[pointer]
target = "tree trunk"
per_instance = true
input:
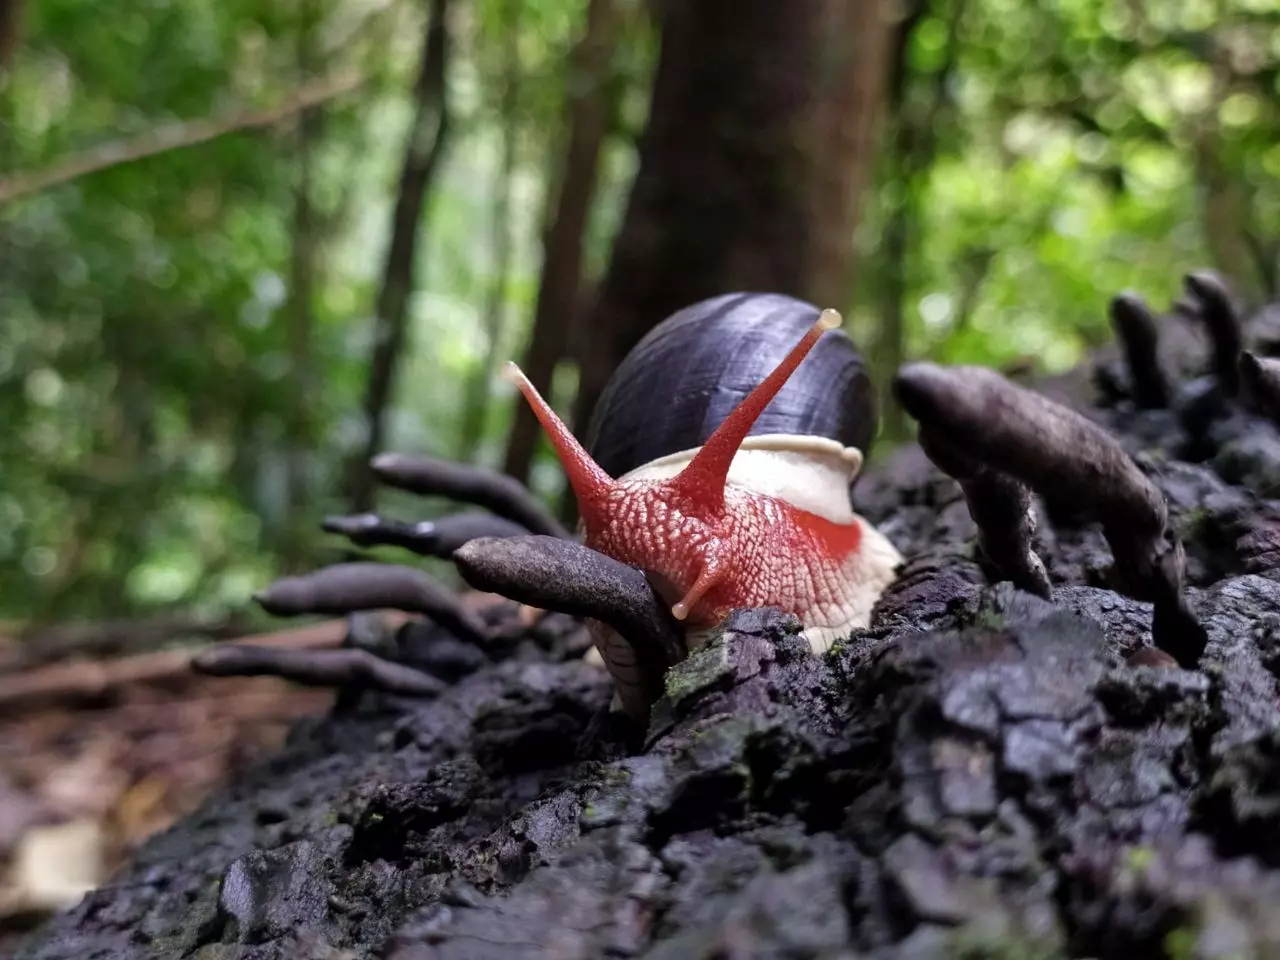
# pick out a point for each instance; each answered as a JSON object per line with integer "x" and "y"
{"x": 1226, "y": 213}
{"x": 477, "y": 403}
{"x": 912, "y": 147}
{"x": 423, "y": 149}
{"x": 592, "y": 102}
{"x": 1226, "y": 202}
{"x": 851, "y": 66}
{"x": 10, "y": 29}
{"x": 300, "y": 315}
{"x": 751, "y": 128}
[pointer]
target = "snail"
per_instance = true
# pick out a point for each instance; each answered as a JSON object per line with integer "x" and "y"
{"x": 720, "y": 461}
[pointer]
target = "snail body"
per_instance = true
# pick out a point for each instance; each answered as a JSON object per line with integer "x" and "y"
{"x": 725, "y": 475}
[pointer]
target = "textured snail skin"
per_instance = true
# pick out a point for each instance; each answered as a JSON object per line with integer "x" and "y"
{"x": 711, "y": 540}
{"x": 805, "y": 550}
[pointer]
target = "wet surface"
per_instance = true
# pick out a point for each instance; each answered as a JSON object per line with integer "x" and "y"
{"x": 981, "y": 773}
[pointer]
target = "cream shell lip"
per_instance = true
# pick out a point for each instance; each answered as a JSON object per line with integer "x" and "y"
{"x": 810, "y": 473}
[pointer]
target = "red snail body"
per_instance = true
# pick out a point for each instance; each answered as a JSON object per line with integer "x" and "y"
{"x": 720, "y": 461}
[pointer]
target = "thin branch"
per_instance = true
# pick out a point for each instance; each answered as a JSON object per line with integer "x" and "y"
{"x": 11, "y": 17}
{"x": 35, "y": 644}
{"x": 94, "y": 678}
{"x": 1265, "y": 260}
{"x": 299, "y": 314}
{"x": 175, "y": 136}
{"x": 913, "y": 147}
{"x": 850, "y": 82}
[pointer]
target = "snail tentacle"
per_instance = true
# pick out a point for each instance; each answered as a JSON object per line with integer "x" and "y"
{"x": 725, "y": 478}
{"x": 715, "y": 536}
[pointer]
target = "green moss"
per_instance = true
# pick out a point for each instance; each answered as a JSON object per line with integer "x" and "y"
{"x": 989, "y": 619}
{"x": 971, "y": 944}
{"x": 1180, "y": 944}
{"x": 1139, "y": 858}
{"x": 792, "y": 625}
{"x": 437, "y": 862}
{"x": 215, "y": 951}
{"x": 1191, "y": 525}
{"x": 697, "y": 672}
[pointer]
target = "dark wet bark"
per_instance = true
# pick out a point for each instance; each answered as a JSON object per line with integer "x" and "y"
{"x": 982, "y": 772}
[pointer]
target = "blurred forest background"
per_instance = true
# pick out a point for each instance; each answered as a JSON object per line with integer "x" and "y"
{"x": 246, "y": 244}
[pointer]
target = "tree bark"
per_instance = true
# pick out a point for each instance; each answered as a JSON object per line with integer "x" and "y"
{"x": 592, "y": 102}
{"x": 979, "y": 753}
{"x": 423, "y": 150}
{"x": 735, "y": 180}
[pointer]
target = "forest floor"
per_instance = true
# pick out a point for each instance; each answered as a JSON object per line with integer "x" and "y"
{"x": 98, "y": 753}
{"x": 979, "y": 774}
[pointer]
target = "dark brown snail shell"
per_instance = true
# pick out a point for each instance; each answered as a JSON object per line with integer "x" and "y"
{"x": 690, "y": 371}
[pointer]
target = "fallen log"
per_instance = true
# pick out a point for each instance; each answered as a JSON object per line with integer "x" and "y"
{"x": 85, "y": 679}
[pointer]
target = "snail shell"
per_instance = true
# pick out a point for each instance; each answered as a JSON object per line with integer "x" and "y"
{"x": 672, "y": 391}
{"x": 691, "y": 371}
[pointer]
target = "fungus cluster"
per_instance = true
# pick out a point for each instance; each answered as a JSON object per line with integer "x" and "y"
{"x": 1003, "y": 444}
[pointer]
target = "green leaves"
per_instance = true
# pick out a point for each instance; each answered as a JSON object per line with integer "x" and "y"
{"x": 1079, "y": 150}
{"x": 157, "y": 415}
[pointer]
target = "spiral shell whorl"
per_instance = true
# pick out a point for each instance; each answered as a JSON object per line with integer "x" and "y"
{"x": 694, "y": 368}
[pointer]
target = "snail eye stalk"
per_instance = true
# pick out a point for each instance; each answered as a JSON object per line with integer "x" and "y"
{"x": 704, "y": 478}
{"x": 591, "y": 485}
{"x": 627, "y": 524}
